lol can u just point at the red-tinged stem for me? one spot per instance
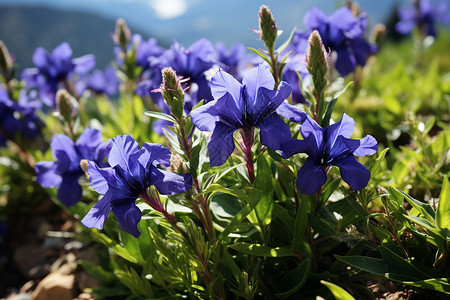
(248, 139)
(157, 205)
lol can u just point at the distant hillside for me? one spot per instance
(24, 28)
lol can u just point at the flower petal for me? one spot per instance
(221, 144)
(154, 154)
(346, 61)
(310, 127)
(69, 192)
(84, 63)
(205, 116)
(256, 78)
(295, 146)
(222, 83)
(99, 177)
(355, 174)
(368, 146)
(169, 183)
(88, 141)
(345, 127)
(291, 112)
(46, 174)
(274, 132)
(97, 215)
(123, 146)
(268, 101)
(310, 177)
(128, 215)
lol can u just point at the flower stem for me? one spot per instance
(248, 139)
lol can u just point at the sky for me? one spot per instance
(228, 21)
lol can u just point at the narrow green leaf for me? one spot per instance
(263, 183)
(262, 55)
(443, 208)
(260, 250)
(376, 165)
(241, 215)
(294, 279)
(286, 43)
(160, 115)
(437, 284)
(338, 292)
(329, 110)
(301, 221)
(118, 249)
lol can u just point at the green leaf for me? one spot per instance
(97, 272)
(329, 110)
(262, 55)
(286, 43)
(118, 249)
(253, 200)
(338, 292)
(301, 221)
(294, 279)
(376, 165)
(260, 250)
(263, 182)
(437, 284)
(443, 208)
(160, 115)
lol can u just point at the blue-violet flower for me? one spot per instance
(253, 103)
(330, 146)
(65, 172)
(132, 171)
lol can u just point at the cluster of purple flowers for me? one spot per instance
(255, 104)
(424, 16)
(18, 117)
(59, 70)
(236, 99)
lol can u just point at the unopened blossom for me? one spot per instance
(65, 171)
(330, 146)
(132, 171)
(243, 106)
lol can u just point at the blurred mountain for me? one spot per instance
(24, 28)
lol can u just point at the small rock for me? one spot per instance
(55, 286)
(20, 296)
(33, 260)
(27, 287)
(84, 296)
(65, 265)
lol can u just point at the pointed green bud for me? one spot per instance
(317, 61)
(66, 105)
(172, 92)
(5, 58)
(267, 27)
(122, 34)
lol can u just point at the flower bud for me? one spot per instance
(267, 27)
(66, 105)
(173, 92)
(6, 61)
(317, 61)
(378, 34)
(122, 34)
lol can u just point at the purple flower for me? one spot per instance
(18, 117)
(330, 146)
(54, 69)
(341, 32)
(253, 103)
(132, 171)
(65, 172)
(234, 60)
(296, 64)
(424, 16)
(192, 64)
(99, 82)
